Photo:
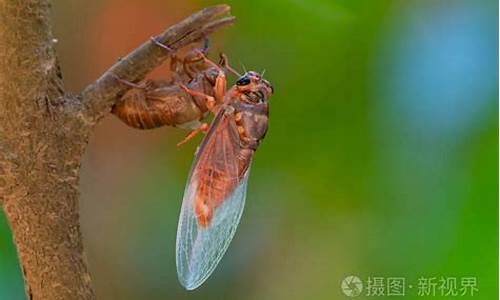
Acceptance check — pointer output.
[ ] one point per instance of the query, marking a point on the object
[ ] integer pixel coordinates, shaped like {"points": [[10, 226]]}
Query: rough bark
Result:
{"points": [[44, 132]]}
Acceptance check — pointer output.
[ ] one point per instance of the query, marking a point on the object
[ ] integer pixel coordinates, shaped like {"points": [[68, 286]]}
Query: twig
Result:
{"points": [[99, 97]]}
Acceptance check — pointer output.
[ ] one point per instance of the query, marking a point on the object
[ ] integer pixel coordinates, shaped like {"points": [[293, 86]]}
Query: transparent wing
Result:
{"points": [[215, 180]]}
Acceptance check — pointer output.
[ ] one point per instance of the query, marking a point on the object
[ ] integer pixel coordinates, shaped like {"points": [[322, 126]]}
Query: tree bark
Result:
{"points": [[44, 133]]}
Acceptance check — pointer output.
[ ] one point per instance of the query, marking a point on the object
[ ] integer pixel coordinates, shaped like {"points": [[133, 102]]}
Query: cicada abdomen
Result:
{"points": [[138, 110], [160, 103]]}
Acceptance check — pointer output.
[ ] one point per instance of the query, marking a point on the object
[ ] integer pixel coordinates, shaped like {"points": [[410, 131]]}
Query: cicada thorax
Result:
{"points": [[252, 122]]}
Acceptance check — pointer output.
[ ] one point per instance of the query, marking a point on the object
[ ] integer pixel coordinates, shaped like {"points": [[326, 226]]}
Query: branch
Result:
{"points": [[100, 96]]}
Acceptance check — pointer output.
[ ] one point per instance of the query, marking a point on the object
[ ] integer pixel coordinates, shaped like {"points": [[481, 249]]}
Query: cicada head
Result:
{"points": [[253, 88]]}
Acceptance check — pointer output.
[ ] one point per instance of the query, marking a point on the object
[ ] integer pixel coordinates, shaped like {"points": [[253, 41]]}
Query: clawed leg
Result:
{"points": [[128, 83], [175, 68], [202, 128], [220, 81], [174, 60], [160, 44], [185, 65], [209, 99], [207, 60], [225, 64], [206, 46]]}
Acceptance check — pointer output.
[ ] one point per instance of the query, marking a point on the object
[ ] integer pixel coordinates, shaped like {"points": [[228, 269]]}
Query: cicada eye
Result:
{"points": [[244, 80]]}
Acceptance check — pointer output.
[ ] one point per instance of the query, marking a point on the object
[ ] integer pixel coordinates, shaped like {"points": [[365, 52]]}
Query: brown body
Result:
{"points": [[162, 103], [226, 154], [156, 103]]}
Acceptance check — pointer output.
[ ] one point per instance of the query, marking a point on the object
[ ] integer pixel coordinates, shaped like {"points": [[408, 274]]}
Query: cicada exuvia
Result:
{"points": [[216, 187]]}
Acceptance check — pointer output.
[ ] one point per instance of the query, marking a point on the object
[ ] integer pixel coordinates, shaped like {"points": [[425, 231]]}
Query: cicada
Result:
{"points": [[215, 192]]}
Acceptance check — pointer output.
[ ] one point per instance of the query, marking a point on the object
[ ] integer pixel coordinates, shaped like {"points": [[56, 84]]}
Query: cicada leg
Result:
{"points": [[129, 83], [160, 44], [220, 81], [202, 128], [194, 57], [187, 64], [174, 60], [225, 64], [209, 99]]}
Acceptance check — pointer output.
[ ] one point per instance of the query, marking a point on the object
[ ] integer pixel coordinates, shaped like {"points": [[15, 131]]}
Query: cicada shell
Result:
{"points": [[214, 197], [161, 103], [156, 103]]}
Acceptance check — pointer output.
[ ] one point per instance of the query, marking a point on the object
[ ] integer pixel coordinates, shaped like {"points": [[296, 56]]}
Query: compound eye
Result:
{"points": [[244, 80]]}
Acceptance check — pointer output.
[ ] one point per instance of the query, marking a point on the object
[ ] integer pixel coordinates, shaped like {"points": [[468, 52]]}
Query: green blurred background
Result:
{"points": [[381, 157]]}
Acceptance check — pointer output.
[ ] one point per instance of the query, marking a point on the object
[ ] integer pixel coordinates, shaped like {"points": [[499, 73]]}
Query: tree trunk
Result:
{"points": [[43, 134], [40, 159]]}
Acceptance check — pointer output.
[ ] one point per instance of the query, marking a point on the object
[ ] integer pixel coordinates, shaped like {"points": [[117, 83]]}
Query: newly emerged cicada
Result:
{"points": [[215, 193]]}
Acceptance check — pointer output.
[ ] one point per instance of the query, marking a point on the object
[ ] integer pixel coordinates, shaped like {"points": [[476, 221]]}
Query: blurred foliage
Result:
{"points": [[381, 159]]}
